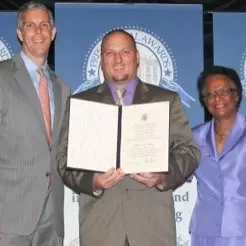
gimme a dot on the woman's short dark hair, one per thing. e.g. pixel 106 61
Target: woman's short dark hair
pixel 219 70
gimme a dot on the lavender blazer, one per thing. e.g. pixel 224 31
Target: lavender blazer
pixel 220 209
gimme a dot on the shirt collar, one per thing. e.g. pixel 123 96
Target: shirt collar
pixel 130 87
pixel 30 64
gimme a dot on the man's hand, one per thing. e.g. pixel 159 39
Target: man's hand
pixel 107 180
pixel 149 179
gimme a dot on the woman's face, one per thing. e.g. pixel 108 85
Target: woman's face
pixel 220 96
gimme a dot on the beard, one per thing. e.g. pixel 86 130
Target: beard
pixel 120 78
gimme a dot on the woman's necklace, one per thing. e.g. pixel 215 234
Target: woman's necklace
pixel 221 135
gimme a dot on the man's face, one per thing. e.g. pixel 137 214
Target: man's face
pixel 119 59
pixel 36 33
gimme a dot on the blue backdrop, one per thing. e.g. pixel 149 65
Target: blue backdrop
pixel 170 41
pixel 230 44
pixel 9 44
pixel 169 36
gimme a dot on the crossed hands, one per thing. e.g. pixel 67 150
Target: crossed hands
pixel 113 176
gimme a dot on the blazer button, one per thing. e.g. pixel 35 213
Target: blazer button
pixel 47 174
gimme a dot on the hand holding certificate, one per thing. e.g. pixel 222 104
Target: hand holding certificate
pixel 102 136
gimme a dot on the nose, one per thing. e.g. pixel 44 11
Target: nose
pixel 217 97
pixel 38 29
pixel 118 57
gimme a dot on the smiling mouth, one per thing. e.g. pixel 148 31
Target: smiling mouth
pixel 119 69
pixel 219 107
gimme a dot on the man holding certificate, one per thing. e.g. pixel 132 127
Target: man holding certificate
pixel 128 201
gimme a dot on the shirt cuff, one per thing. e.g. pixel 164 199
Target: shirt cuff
pixel 97 192
pixel 161 187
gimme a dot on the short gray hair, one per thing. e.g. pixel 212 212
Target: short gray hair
pixel 29 6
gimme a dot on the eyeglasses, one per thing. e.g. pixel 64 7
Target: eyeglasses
pixel 222 93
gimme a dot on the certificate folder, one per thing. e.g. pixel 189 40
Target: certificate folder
pixel 133 137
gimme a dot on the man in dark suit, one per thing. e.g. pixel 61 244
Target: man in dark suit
pixel 136 209
pixel 32 106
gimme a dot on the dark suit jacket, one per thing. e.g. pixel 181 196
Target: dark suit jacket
pixel 145 215
pixel 26 159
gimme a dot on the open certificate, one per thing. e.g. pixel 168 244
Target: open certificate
pixel 133 137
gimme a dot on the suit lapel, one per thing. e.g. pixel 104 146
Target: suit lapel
pixel 24 81
pixel 142 94
pixel 210 139
pixel 57 100
pixel 231 140
pixel 235 134
pixel 106 96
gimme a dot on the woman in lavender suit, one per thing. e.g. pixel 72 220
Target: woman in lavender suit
pixel 219 216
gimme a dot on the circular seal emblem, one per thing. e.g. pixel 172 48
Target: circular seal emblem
pixel 5 50
pixel 75 242
pixel 157 64
pixel 243 72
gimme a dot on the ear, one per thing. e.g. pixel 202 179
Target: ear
pixel 19 34
pixel 53 33
pixel 236 96
pixel 138 57
pixel 101 63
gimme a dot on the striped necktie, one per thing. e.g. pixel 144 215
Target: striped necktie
pixel 45 102
pixel 120 96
